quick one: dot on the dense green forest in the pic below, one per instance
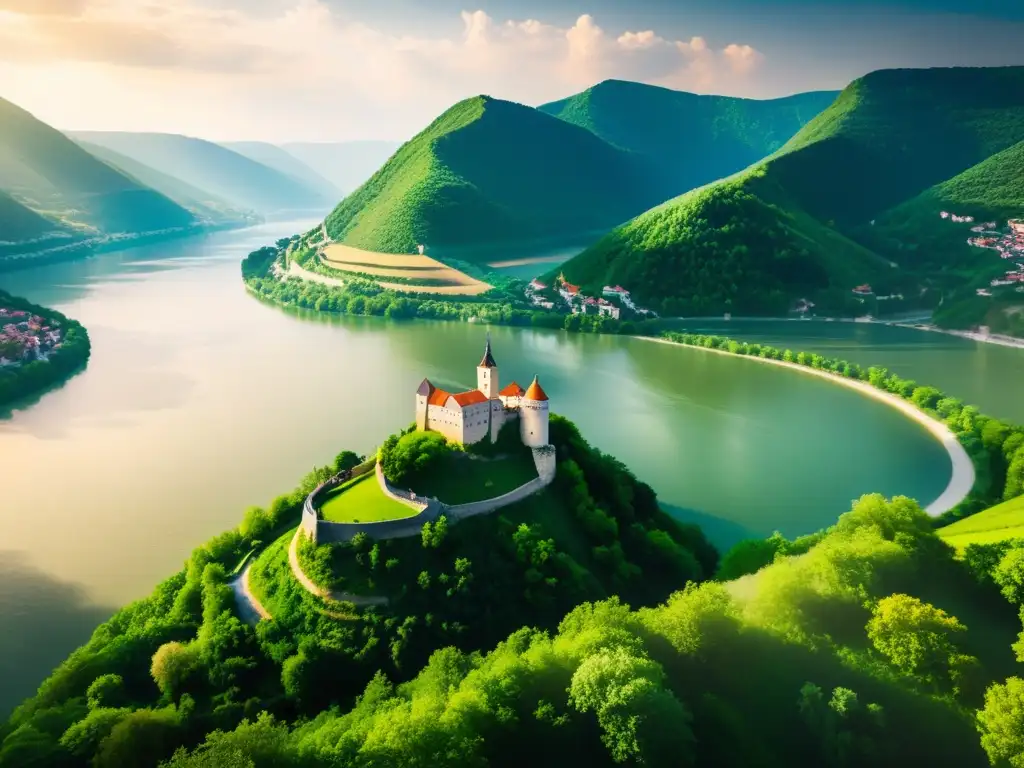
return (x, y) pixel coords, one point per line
(239, 180)
(490, 171)
(889, 137)
(35, 377)
(175, 666)
(53, 174)
(687, 139)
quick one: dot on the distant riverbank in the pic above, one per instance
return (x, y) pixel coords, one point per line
(92, 246)
(994, 338)
(963, 477)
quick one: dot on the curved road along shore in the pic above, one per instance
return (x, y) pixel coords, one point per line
(962, 479)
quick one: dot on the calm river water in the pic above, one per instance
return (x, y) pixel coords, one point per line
(200, 400)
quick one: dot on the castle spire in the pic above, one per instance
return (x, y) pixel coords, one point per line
(488, 361)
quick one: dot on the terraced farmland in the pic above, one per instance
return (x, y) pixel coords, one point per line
(412, 273)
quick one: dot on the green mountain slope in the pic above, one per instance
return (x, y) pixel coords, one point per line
(203, 164)
(347, 164)
(888, 137)
(199, 201)
(992, 190)
(490, 171)
(689, 139)
(51, 173)
(20, 223)
(284, 162)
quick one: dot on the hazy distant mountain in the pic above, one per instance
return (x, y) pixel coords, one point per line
(347, 165)
(199, 201)
(280, 160)
(48, 172)
(237, 179)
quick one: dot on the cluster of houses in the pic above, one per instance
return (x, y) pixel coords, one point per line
(956, 219)
(865, 291)
(1009, 245)
(580, 304)
(25, 337)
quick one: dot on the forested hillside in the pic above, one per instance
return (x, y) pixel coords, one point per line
(888, 137)
(20, 223)
(50, 173)
(689, 139)
(488, 172)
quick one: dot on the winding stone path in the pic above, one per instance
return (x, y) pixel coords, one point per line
(251, 609)
(309, 586)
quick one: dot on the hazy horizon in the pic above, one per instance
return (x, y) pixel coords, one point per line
(326, 71)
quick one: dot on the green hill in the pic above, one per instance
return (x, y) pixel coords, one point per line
(284, 162)
(19, 223)
(490, 171)
(689, 140)
(888, 137)
(200, 202)
(52, 174)
(346, 164)
(992, 190)
(1000, 523)
(228, 175)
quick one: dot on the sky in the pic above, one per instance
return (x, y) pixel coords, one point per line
(338, 70)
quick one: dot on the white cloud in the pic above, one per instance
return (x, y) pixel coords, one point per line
(326, 75)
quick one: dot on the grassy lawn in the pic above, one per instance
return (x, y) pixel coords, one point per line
(362, 501)
(462, 480)
(1003, 521)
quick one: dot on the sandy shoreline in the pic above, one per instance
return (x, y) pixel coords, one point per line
(962, 479)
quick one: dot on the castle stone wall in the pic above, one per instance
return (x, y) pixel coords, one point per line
(428, 510)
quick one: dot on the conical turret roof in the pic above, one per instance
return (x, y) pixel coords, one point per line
(488, 361)
(535, 392)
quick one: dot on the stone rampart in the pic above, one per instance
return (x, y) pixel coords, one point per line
(427, 510)
(462, 511)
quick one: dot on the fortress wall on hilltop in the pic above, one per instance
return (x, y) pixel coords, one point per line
(428, 510)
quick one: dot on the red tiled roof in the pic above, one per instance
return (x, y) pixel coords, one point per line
(512, 390)
(535, 392)
(473, 397)
(438, 397)
(570, 288)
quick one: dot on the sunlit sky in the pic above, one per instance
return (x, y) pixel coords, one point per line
(333, 70)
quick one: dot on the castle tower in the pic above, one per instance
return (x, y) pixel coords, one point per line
(533, 416)
(423, 393)
(487, 373)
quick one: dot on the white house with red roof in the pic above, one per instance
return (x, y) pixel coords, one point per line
(478, 414)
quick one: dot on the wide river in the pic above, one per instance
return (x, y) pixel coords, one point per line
(199, 401)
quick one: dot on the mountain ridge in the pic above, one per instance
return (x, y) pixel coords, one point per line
(209, 166)
(887, 137)
(49, 172)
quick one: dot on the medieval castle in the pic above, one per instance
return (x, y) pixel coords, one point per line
(469, 417)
